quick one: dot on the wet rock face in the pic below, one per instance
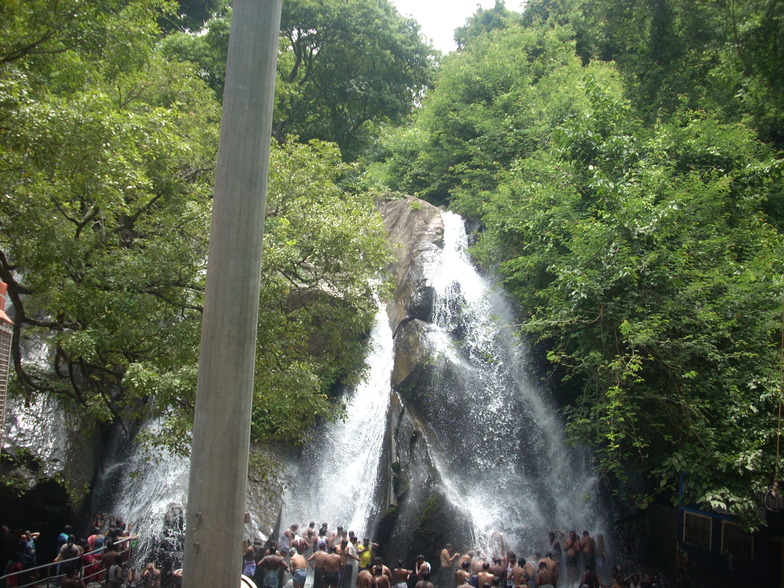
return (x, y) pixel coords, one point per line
(416, 231)
(421, 520)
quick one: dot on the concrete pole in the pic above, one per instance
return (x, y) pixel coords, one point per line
(221, 428)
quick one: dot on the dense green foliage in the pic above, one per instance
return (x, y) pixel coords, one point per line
(344, 69)
(107, 157)
(623, 160)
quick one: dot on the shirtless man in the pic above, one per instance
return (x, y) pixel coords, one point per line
(364, 579)
(544, 577)
(551, 564)
(589, 550)
(498, 570)
(516, 574)
(445, 571)
(271, 566)
(400, 575)
(151, 576)
(298, 566)
(331, 575)
(348, 557)
(555, 544)
(528, 568)
(485, 576)
(421, 567)
(317, 561)
(463, 575)
(572, 550)
(425, 581)
(380, 579)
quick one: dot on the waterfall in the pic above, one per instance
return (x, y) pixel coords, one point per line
(501, 454)
(336, 479)
(148, 489)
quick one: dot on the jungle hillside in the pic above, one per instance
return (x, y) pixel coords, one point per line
(622, 160)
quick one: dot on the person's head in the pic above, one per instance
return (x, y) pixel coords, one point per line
(420, 558)
(551, 535)
(70, 540)
(549, 554)
(311, 525)
(486, 566)
(292, 552)
(344, 543)
(600, 538)
(378, 570)
(496, 560)
(67, 530)
(585, 533)
(294, 527)
(353, 538)
(333, 549)
(542, 565)
(466, 564)
(572, 534)
(448, 546)
(366, 541)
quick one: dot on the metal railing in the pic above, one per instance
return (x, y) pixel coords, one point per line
(53, 576)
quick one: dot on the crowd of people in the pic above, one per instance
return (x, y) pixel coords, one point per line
(337, 558)
(323, 558)
(100, 559)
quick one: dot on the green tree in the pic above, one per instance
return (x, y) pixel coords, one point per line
(344, 69)
(106, 165)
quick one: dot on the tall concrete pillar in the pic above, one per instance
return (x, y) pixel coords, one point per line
(221, 429)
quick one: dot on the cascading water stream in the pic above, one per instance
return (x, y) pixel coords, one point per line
(336, 480)
(502, 458)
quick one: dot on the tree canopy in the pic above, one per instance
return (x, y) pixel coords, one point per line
(107, 157)
(627, 182)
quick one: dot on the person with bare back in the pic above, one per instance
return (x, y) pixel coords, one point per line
(298, 566)
(331, 575)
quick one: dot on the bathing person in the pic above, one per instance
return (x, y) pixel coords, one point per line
(298, 566)
(317, 561)
(380, 579)
(151, 576)
(485, 576)
(421, 567)
(544, 577)
(445, 571)
(551, 564)
(425, 581)
(400, 575)
(331, 575)
(348, 559)
(572, 548)
(271, 566)
(249, 561)
(498, 569)
(589, 550)
(463, 575)
(364, 579)
(555, 544)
